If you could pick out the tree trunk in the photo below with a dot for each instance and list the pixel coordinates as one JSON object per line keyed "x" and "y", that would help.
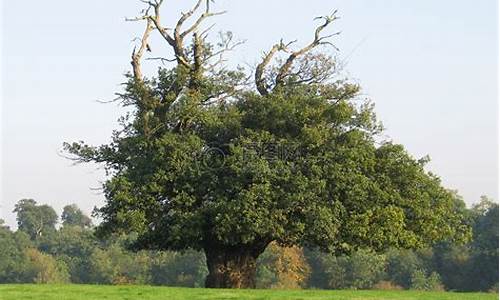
{"x": 232, "y": 268}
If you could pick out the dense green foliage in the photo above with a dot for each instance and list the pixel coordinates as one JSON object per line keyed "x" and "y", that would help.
{"x": 87, "y": 292}
{"x": 73, "y": 253}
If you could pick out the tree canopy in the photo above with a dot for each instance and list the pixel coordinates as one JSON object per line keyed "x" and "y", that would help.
{"x": 73, "y": 216}
{"x": 35, "y": 220}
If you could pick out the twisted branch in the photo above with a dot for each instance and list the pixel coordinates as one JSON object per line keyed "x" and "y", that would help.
{"x": 260, "y": 80}
{"x": 144, "y": 46}
{"x": 284, "y": 70}
{"x": 318, "y": 40}
{"x": 176, "y": 39}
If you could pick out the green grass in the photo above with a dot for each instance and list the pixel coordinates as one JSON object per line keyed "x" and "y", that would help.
{"x": 95, "y": 292}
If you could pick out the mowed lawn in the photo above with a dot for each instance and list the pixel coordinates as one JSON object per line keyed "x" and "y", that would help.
{"x": 95, "y": 292}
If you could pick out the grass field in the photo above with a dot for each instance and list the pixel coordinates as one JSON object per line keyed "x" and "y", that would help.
{"x": 95, "y": 292}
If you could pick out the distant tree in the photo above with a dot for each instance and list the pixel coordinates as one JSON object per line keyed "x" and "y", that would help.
{"x": 35, "y": 220}
{"x": 482, "y": 207}
{"x": 186, "y": 269}
{"x": 317, "y": 278}
{"x": 401, "y": 264}
{"x": 111, "y": 265}
{"x": 485, "y": 228}
{"x": 453, "y": 263}
{"x": 484, "y": 261}
{"x": 361, "y": 269}
{"x": 366, "y": 268}
{"x": 74, "y": 245}
{"x": 12, "y": 258}
{"x": 296, "y": 158}
{"x": 2, "y": 225}
{"x": 74, "y": 216}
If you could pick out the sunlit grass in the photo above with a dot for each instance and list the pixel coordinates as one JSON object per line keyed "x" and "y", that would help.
{"x": 98, "y": 292}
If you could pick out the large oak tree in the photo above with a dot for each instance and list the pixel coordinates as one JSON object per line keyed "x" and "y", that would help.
{"x": 226, "y": 162}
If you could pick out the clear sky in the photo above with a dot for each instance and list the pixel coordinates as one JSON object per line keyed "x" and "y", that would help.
{"x": 429, "y": 66}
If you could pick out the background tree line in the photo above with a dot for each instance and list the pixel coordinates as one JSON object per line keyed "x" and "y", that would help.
{"x": 42, "y": 252}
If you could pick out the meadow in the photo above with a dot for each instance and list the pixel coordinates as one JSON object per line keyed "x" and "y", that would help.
{"x": 98, "y": 292}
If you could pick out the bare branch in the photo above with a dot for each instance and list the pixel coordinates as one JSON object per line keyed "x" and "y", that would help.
{"x": 162, "y": 59}
{"x": 137, "y": 55}
{"x": 176, "y": 44}
{"x": 142, "y": 18}
{"x": 179, "y": 35}
{"x": 198, "y": 22}
{"x": 195, "y": 61}
{"x": 186, "y": 16}
{"x": 204, "y": 33}
{"x": 260, "y": 80}
{"x": 226, "y": 45}
{"x": 318, "y": 40}
{"x": 197, "y": 68}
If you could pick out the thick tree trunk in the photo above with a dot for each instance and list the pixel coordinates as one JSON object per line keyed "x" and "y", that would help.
{"x": 231, "y": 268}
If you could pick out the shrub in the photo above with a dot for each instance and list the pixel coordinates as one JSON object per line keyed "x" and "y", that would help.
{"x": 420, "y": 281}
{"x": 282, "y": 268}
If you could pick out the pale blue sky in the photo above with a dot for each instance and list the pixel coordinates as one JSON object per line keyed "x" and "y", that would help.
{"x": 429, "y": 66}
